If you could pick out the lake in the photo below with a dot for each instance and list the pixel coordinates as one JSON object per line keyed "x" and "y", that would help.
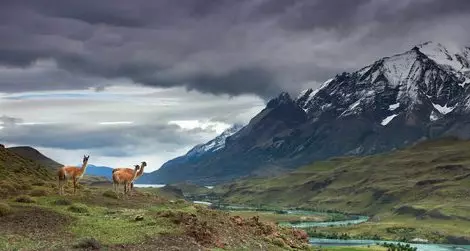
{"x": 160, "y": 185}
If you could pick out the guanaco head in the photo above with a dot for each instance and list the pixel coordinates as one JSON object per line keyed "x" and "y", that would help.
{"x": 85, "y": 158}
{"x": 136, "y": 167}
{"x": 143, "y": 164}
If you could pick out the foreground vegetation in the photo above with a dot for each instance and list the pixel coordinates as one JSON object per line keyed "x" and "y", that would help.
{"x": 34, "y": 217}
{"x": 418, "y": 192}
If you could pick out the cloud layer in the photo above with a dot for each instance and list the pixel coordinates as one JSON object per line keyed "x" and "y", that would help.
{"x": 229, "y": 47}
{"x": 121, "y": 124}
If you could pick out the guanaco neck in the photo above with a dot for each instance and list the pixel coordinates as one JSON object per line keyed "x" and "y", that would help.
{"x": 135, "y": 174}
{"x": 141, "y": 171}
{"x": 83, "y": 168}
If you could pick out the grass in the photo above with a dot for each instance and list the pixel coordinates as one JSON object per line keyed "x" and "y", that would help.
{"x": 78, "y": 208}
{"x": 92, "y": 219}
{"x": 5, "y": 209}
{"x": 110, "y": 194}
{"x": 25, "y": 199}
{"x": 423, "y": 187}
{"x": 37, "y": 192}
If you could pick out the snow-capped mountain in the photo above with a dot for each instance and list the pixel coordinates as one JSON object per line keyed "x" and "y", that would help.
{"x": 193, "y": 155}
{"x": 427, "y": 75}
{"x": 215, "y": 144}
{"x": 398, "y": 100}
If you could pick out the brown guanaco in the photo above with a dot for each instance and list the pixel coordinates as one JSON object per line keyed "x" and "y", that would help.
{"x": 125, "y": 178}
{"x": 74, "y": 172}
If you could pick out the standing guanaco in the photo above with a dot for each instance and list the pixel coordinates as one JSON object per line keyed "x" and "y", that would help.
{"x": 74, "y": 172}
{"x": 130, "y": 171}
{"x": 125, "y": 178}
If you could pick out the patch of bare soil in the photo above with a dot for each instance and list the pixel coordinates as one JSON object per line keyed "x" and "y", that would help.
{"x": 34, "y": 222}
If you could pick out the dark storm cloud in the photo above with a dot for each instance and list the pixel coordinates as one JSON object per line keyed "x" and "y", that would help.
{"x": 233, "y": 47}
{"x": 109, "y": 140}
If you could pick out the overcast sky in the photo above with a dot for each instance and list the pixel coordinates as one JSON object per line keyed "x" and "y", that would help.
{"x": 127, "y": 81}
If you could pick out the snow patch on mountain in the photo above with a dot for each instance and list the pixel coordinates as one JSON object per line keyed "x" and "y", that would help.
{"x": 215, "y": 144}
{"x": 433, "y": 116}
{"x": 443, "y": 109}
{"x": 393, "y": 107}
{"x": 442, "y": 56}
{"x": 387, "y": 120}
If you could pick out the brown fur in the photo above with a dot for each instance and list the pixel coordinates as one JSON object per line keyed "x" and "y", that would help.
{"x": 76, "y": 173}
{"x": 130, "y": 171}
{"x": 124, "y": 176}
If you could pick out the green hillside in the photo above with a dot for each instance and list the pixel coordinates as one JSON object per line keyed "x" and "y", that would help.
{"x": 32, "y": 154}
{"x": 19, "y": 174}
{"x": 425, "y": 187}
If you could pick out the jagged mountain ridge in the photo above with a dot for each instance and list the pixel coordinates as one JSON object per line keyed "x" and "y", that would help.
{"x": 394, "y": 102}
{"x": 193, "y": 155}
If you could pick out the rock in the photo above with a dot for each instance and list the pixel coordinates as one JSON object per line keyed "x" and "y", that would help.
{"x": 237, "y": 220}
{"x": 300, "y": 234}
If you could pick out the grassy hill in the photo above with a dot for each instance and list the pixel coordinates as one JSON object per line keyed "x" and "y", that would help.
{"x": 424, "y": 188}
{"x": 19, "y": 175}
{"x": 32, "y": 154}
{"x": 34, "y": 217}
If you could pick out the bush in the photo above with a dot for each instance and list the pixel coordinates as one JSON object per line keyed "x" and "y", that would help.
{"x": 63, "y": 202}
{"x": 38, "y": 192}
{"x": 5, "y": 209}
{"x": 25, "y": 199}
{"x": 39, "y": 183}
{"x": 7, "y": 188}
{"x": 110, "y": 194}
{"x": 88, "y": 243}
{"x": 79, "y": 208}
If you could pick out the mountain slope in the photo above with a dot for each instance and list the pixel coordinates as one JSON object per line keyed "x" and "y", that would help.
{"x": 419, "y": 94}
{"x": 32, "y": 154}
{"x": 18, "y": 173}
{"x": 166, "y": 174}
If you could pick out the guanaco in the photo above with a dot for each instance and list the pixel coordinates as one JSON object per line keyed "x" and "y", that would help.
{"x": 74, "y": 172}
{"x": 125, "y": 178}
{"x": 129, "y": 170}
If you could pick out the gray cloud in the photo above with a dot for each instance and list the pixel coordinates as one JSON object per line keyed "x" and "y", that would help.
{"x": 232, "y": 47}
{"x": 114, "y": 141}
{"x": 9, "y": 121}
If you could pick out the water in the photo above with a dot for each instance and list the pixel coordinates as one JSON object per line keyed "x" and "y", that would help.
{"x": 149, "y": 185}
{"x": 202, "y": 202}
{"x": 420, "y": 247}
{"x": 160, "y": 185}
{"x": 308, "y": 224}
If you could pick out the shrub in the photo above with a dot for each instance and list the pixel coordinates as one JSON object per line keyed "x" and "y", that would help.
{"x": 38, "y": 192}
{"x": 5, "y": 209}
{"x": 88, "y": 243}
{"x": 39, "y": 183}
{"x": 110, "y": 194}
{"x": 63, "y": 202}
{"x": 7, "y": 188}
{"x": 25, "y": 199}
{"x": 78, "y": 208}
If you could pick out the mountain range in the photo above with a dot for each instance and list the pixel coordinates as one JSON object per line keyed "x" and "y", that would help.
{"x": 394, "y": 102}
